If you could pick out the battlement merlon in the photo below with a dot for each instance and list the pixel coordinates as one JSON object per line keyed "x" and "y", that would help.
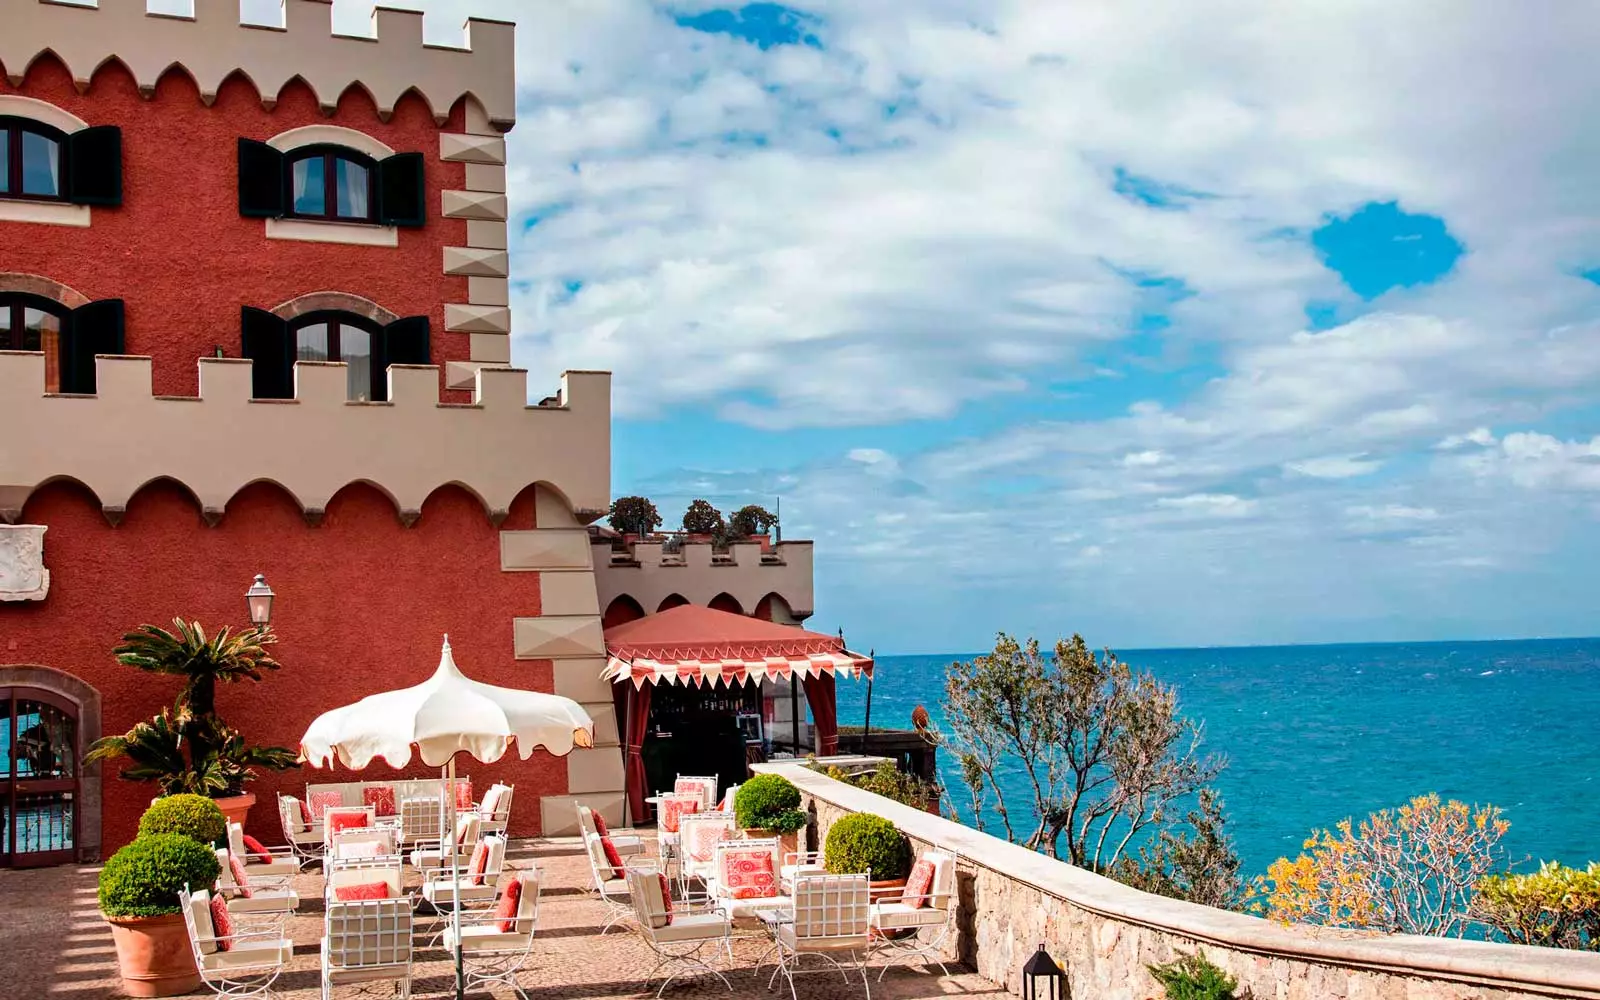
{"x": 120, "y": 439}
{"x": 212, "y": 43}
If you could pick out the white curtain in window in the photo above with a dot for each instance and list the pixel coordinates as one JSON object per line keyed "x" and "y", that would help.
{"x": 355, "y": 346}
{"x": 353, "y": 185}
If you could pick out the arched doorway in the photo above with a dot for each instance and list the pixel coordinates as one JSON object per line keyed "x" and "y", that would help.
{"x": 40, "y": 797}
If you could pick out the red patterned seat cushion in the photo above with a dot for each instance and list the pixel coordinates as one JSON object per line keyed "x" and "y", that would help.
{"x": 510, "y": 901}
{"x": 918, "y": 883}
{"x": 674, "y": 806}
{"x": 747, "y": 874}
{"x": 240, "y": 879}
{"x": 318, "y": 803}
{"x": 366, "y": 890}
{"x": 221, "y": 923}
{"x": 380, "y": 798}
{"x": 256, "y": 849}
{"x": 613, "y": 858}
{"x": 478, "y": 868}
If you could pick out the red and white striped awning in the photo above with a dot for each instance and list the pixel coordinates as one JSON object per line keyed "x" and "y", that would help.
{"x": 700, "y": 646}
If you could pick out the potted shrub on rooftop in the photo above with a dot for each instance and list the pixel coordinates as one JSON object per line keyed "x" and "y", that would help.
{"x": 189, "y": 748}
{"x": 866, "y": 843}
{"x": 703, "y": 522}
{"x": 768, "y": 805}
{"x": 139, "y": 898}
{"x": 752, "y": 522}
{"x": 634, "y": 517}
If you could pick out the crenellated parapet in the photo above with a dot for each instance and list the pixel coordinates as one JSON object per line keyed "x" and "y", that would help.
{"x": 212, "y": 44}
{"x": 699, "y": 572}
{"x": 122, "y": 438}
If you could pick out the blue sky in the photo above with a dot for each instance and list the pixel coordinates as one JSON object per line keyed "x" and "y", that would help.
{"x": 1049, "y": 318}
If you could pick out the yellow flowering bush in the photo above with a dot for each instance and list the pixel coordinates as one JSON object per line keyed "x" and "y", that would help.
{"x": 1411, "y": 870}
{"x": 1556, "y": 906}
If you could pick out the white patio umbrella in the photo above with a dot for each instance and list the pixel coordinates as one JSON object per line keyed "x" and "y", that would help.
{"x": 444, "y": 715}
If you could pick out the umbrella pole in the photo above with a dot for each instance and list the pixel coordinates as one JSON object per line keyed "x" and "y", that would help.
{"x": 455, "y": 873}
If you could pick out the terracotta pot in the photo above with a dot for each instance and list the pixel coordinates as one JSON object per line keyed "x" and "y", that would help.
{"x": 236, "y": 807}
{"x": 889, "y": 888}
{"x": 788, "y": 843}
{"x": 154, "y": 955}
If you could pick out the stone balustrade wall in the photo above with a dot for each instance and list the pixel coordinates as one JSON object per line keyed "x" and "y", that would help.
{"x": 1104, "y": 934}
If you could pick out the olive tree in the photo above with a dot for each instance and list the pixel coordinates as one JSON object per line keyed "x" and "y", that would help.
{"x": 1104, "y": 751}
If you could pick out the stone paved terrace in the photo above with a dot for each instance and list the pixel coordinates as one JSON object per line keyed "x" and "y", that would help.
{"x": 59, "y": 947}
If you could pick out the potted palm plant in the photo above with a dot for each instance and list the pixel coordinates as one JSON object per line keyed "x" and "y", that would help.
{"x": 189, "y": 749}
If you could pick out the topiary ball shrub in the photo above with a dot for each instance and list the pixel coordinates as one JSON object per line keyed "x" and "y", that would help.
{"x": 143, "y": 879}
{"x": 862, "y": 842}
{"x": 193, "y": 816}
{"x": 768, "y": 802}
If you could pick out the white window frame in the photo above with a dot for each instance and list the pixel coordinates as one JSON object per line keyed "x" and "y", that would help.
{"x": 46, "y": 213}
{"x": 328, "y": 231}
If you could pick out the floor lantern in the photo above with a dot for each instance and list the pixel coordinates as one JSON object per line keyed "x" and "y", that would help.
{"x": 1042, "y": 978}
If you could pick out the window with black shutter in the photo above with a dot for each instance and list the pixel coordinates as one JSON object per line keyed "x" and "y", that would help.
{"x": 39, "y": 162}
{"x": 366, "y": 348}
{"x": 68, "y": 338}
{"x": 331, "y": 183}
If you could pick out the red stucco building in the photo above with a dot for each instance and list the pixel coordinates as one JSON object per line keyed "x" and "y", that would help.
{"x": 254, "y": 319}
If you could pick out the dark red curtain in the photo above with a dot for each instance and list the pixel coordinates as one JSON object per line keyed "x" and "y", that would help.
{"x": 633, "y": 717}
{"x": 824, "y": 702}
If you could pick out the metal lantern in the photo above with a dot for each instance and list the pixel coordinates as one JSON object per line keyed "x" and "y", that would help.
{"x": 1042, "y": 978}
{"x": 259, "y": 599}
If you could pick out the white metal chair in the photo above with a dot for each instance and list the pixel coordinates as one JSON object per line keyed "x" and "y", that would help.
{"x": 916, "y": 927}
{"x": 727, "y": 799}
{"x": 249, "y": 894}
{"x": 419, "y": 820}
{"x": 364, "y": 842}
{"x": 744, "y": 880}
{"x": 336, "y": 819}
{"x": 495, "y": 809}
{"x": 828, "y": 918}
{"x": 302, "y": 836}
{"x": 706, "y": 785}
{"x": 612, "y": 889}
{"x": 367, "y": 941}
{"x": 589, "y": 824}
{"x": 244, "y": 963}
{"x": 678, "y": 934}
{"x": 800, "y": 863}
{"x": 349, "y": 872}
{"x": 698, "y": 835}
{"x": 281, "y": 860}
{"x": 491, "y": 953}
{"x": 431, "y": 854}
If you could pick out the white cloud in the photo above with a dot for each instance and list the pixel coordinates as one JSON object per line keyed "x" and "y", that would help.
{"x": 1334, "y": 466}
{"x": 1209, "y": 505}
{"x": 1392, "y": 512}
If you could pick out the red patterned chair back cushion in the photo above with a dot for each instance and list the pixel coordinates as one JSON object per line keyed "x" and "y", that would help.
{"x": 599, "y": 824}
{"x": 700, "y": 838}
{"x": 380, "y": 798}
{"x": 613, "y": 858}
{"x": 318, "y": 803}
{"x": 479, "y": 867}
{"x": 240, "y": 879}
{"x": 345, "y": 819}
{"x": 918, "y": 883}
{"x": 746, "y": 872}
{"x": 509, "y": 909}
{"x": 366, "y": 890}
{"x": 221, "y": 923}
{"x": 463, "y": 794}
{"x": 674, "y": 806}
{"x": 257, "y": 850}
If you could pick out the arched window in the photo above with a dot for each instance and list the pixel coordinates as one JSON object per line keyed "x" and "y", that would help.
{"x": 341, "y": 336}
{"x": 366, "y": 345}
{"x": 33, "y": 156}
{"x": 34, "y": 323}
{"x": 332, "y": 182}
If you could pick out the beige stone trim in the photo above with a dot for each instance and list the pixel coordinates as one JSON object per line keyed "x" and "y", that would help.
{"x": 597, "y": 770}
{"x": 558, "y": 814}
{"x": 34, "y": 284}
{"x": 604, "y": 714}
{"x": 484, "y": 206}
{"x": 15, "y": 105}
{"x": 489, "y": 291}
{"x": 551, "y": 511}
{"x": 44, "y": 213}
{"x": 491, "y": 348}
{"x": 349, "y": 233}
{"x": 580, "y": 680}
{"x": 212, "y": 44}
{"x": 554, "y": 638}
{"x": 407, "y": 447}
{"x": 463, "y": 374}
{"x": 476, "y": 262}
{"x": 335, "y": 135}
{"x": 342, "y": 301}
{"x": 698, "y": 575}
{"x": 486, "y": 177}
{"x": 457, "y": 148}
{"x": 544, "y": 548}
{"x": 489, "y": 235}
{"x": 567, "y": 593}
{"x": 469, "y": 318}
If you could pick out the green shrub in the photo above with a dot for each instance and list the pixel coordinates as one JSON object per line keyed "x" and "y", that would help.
{"x": 143, "y": 879}
{"x": 191, "y": 815}
{"x": 1193, "y": 977}
{"x": 862, "y": 842}
{"x": 890, "y": 782}
{"x": 1555, "y": 907}
{"x": 768, "y": 802}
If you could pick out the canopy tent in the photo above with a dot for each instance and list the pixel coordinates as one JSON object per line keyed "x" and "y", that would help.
{"x": 705, "y": 647}
{"x": 444, "y": 715}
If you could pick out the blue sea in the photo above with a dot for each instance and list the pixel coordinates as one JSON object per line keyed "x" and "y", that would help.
{"x": 1315, "y": 734}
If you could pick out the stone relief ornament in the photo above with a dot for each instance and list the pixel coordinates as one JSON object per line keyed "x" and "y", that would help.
{"x": 22, "y": 573}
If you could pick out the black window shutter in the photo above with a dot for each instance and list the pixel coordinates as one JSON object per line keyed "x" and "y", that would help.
{"x": 261, "y": 180}
{"x": 94, "y": 328}
{"x": 404, "y": 342}
{"x": 94, "y": 166}
{"x": 264, "y": 339}
{"x": 401, "y": 190}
